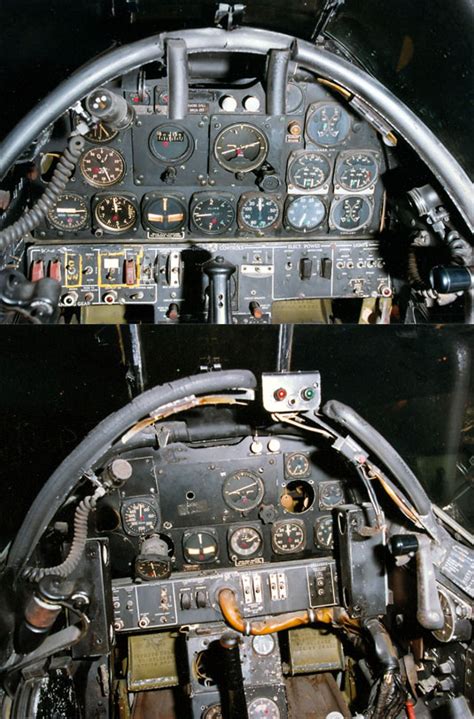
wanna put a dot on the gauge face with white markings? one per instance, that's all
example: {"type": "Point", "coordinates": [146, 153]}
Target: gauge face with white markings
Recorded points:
{"type": "Point", "coordinates": [213, 215]}
{"type": "Point", "coordinates": [115, 213]}
{"type": "Point", "coordinates": [288, 537]}
{"type": "Point", "coordinates": [164, 214]}
{"type": "Point", "coordinates": [309, 171]}
{"type": "Point", "coordinates": [323, 532]}
{"type": "Point", "coordinates": [70, 213]}
{"type": "Point", "coordinates": [259, 213]}
{"type": "Point", "coordinates": [297, 465]}
{"type": "Point", "coordinates": [245, 541]}
{"type": "Point", "coordinates": [305, 213]}
{"type": "Point", "coordinates": [328, 125]}
{"type": "Point", "coordinates": [263, 708]}
{"type": "Point", "coordinates": [351, 213]}
{"type": "Point", "coordinates": [102, 166]}
{"type": "Point", "coordinates": [200, 547]}
{"type": "Point", "coordinates": [139, 517]}
{"type": "Point", "coordinates": [357, 171]}
{"type": "Point", "coordinates": [243, 490]}
{"type": "Point", "coordinates": [241, 147]}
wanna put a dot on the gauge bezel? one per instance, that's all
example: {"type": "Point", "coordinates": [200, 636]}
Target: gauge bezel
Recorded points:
{"type": "Point", "coordinates": [247, 197]}
{"type": "Point", "coordinates": [303, 230]}
{"type": "Point", "coordinates": [150, 198]}
{"type": "Point", "coordinates": [312, 110]}
{"type": "Point", "coordinates": [274, 706]}
{"type": "Point", "coordinates": [339, 200]}
{"type": "Point", "coordinates": [94, 183]}
{"type": "Point", "coordinates": [68, 229]}
{"type": "Point", "coordinates": [200, 530]}
{"type": "Point", "coordinates": [236, 554]}
{"type": "Point", "coordinates": [342, 189]}
{"type": "Point", "coordinates": [202, 197]}
{"type": "Point", "coordinates": [294, 158]}
{"type": "Point", "coordinates": [299, 548]}
{"type": "Point", "coordinates": [254, 164]}
{"type": "Point", "coordinates": [129, 502]}
{"type": "Point", "coordinates": [184, 156]}
{"type": "Point", "coordinates": [258, 481]}
{"type": "Point", "coordinates": [99, 199]}
{"type": "Point", "coordinates": [317, 525]}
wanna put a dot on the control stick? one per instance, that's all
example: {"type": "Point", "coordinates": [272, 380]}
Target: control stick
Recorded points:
{"type": "Point", "coordinates": [219, 272]}
{"type": "Point", "coordinates": [233, 690]}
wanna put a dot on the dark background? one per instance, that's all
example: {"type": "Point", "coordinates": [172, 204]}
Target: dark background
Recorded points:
{"type": "Point", "coordinates": [421, 50]}
{"type": "Point", "coordinates": [413, 384]}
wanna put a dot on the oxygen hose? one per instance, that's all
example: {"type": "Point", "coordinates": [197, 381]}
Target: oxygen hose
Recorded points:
{"type": "Point", "coordinates": [61, 176]}
{"type": "Point", "coordinates": [100, 440]}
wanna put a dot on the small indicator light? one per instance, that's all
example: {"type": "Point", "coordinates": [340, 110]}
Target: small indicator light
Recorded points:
{"type": "Point", "coordinates": [280, 394]}
{"type": "Point", "coordinates": [307, 393]}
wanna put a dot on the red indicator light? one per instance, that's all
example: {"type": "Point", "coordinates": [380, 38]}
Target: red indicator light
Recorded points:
{"type": "Point", "coordinates": [280, 394]}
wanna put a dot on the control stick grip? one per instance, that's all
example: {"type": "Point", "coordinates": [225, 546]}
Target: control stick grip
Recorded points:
{"type": "Point", "coordinates": [429, 612]}
{"type": "Point", "coordinates": [219, 272]}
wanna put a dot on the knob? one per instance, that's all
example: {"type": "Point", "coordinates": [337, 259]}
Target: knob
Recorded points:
{"type": "Point", "coordinates": [219, 272]}
{"type": "Point", "coordinates": [228, 103]}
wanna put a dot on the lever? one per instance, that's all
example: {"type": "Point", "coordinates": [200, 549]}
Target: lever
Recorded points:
{"type": "Point", "coordinates": [234, 693]}
{"type": "Point", "coordinates": [219, 272]}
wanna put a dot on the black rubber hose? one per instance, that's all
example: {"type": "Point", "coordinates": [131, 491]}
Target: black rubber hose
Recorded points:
{"type": "Point", "coordinates": [61, 176]}
{"type": "Point", "coordinates": [99, 440]}
{"type": "Point", "coordinates": [378, 445]}
{"type": "Point", "coordinates": [277, 78]}
{"type": "Point", "coordinates": [177, 61]}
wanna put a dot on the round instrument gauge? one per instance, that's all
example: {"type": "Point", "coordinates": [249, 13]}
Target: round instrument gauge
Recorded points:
{"type": "Point", "coordinates": [164, 214]}
{"type": "Point", "coordinates": [297, 465]}
{"type": "Point", "coordinates": [200, 547]}
{"type": "Point", "coordinates": [171, 143]}
{"type": "Point", "coordinates": [259, 212]}
{"type": "Point", "coordinates": [241, 147]}
{"type": "Point", "coordinates": [102, 166]}
{"type": "Point", "coordinates": [243, 490]}
{"type": "Point", "coordinates": [245, 542]}
{"type": "Point", "coordinates": [447, 632]}
{"type": "Point", "coordinates": [288, 537]}
{"type": "Point", "coordinates": [213, 215]}
{"type": "Point", "coordinates": [309, 171]}
{"type": "Point", "coordinates": [213, 712]}
{"type": "Point", "coordinates": [263, 708]}
{"type": "Point", "coordinates": [115, 213]}
{"type": "Point", "coordinates": [328, 125]}
{"type": "Point", "coordinates": [263, 644]}
{"type": "Point", "coordinates": [323, 533]}
{"type": "Point", "coordinates": [148, 567]}
{"type": "Point", "coordinates": [101, 134]}
{"type": "Point", "coordinates": [351, 213]}
{"type": "Point", "coordinates": [139, 517]}
{"type": "Point", "coordinates": [69, 213]}
{"type": "Point", "coordinates": [305, 213]}
{"type": "Point", "coordinates": [331, 494]}
{"type": "Point", "coordinates": [357, 171]}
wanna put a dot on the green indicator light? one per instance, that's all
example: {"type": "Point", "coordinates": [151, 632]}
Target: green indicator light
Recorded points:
{"type": "Point", "coordinates": [308, 393]}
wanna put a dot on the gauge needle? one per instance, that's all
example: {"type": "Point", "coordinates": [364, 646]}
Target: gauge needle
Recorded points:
{"type": "Point", "coordinates": [155, 218]}
{"type": "Point", "coordinates": [107, 173]}
{"type": "Point", "coordinates": [241, 147]}
{"type": "Point", "coordinates": [204, 214]}
{"type": "Point", "coordinates": [241, 489]}
{"type": "Point", "coordinates": [114, 202]}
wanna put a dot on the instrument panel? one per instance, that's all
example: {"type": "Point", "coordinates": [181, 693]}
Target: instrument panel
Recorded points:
{"type": "Point", "coordinates": [227, 506]}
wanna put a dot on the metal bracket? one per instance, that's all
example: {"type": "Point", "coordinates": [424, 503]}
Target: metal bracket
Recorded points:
{"type": "Point", "coordinates": [229, 16]}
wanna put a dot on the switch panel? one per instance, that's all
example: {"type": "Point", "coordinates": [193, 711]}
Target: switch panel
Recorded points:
{"type": "Point", "coordinates": [291, 391]}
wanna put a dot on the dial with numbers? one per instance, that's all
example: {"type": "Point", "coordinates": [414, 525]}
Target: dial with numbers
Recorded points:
{"type": "Point", "coordinates": [213, 215]}
{"type": "Point", "coordinates": [309, 171]}
{"type": "Point", "coordinates": [328, 125]}
{"type": "Point", "coordinates": [139, 517]}
{"type": "Point", "coordinates": [351, 213]}
{"type": "Point", "coordinates": [288, 537]}
{"type": "Point", "coordinates": [102, 166]}
{"type": "Point", "coordinates": [115, 213]}
{"type": "Point", "coordinates": [357, 171]}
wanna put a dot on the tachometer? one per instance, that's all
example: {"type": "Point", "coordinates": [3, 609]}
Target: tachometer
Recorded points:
{"type": "Point", "coordinates": [288, 537]}
{"type": "Point", "coordinates": [259, 212]}
{"type": "Point", "coordinates": [356, 171]}
{"type": "Point", "coordinates": [328, 125]}
{"type": "Point", "coordinates": [69, 213]}
{"type": "Point", "coordinates": [305, 213]}
{"type": "Point", "coordinates": [351, 213]}
{"type": "Point", "coordinates": [243, 490]}
{"type": "Point", "coordinates": [102, 166]}
{"type": "Point", "coordinates": [171, 143]}
{"type": "Point", "coordinates": [164, 214]}
{"type": "Point", "coordinates": [139, 517]}
{"type": "Point", "coordinates": [245, 541]}
{"type": "Point", "coordinates": [213, 215]}
{"type": "Point", "coordinates": [200, 547]}
{"type": "Point", "coordinates": [241, 147]}
{"type": "Point", "coordinates": [115, 213]}
{"type": "Point", "coordinates": [309, 171]}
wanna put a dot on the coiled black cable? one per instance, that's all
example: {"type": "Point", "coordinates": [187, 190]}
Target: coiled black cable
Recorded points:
{"type": "Point", "coordinates": [61, 176]}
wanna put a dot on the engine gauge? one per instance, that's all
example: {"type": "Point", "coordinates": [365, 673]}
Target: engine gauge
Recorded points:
{"type": "Point", "coordinates": [356, 171]}
{"type": "Point", "coordinates": [305, 213]}
{"type": "Point", "coordinates": [241, 147]}
{"type": "Point", "coordinates": [243, 490]}
{"type": "Point", "coordinates": [171, 143]}
{"type": "Point", "coordinates": [331, 494]}
{"type": "Point", "coordinates": [200, 547]}
{"type": "Point", "coordinates": [328, 125]}
{"type": "Point", "coordinates": [115, 213]}
{"type": "Point", "coordinates": [309, 171]}
{"type": "Point", "coordinates": [164, 214]}
{"type": "Point", "coordinates": [263, 708]}
{"type": "Point", "coordinates": [102, 166]}
{"type": "Point", "coordinates": [297, 465]}
{"type": "Point", "coordinates": [148, 567]}
{"type": "Point", "coordinates": [245, 541]}
{"type": "Point", "coordinates": [259, 212]}
{"type": "Point", "coordinates": [213, 215]}
{"type": "Point", "coordinates": [351, 213]}
{"type": "Point", "coordinates": [288, 537]}
{"type": "Point", "coordinates": [139, 517]}
{"type": "Point", "coordinates": [101, 134]}
{"type": "Point", "coordinates": [69, 213]}
{"type": "Point", "coordinates": [323, 532]}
